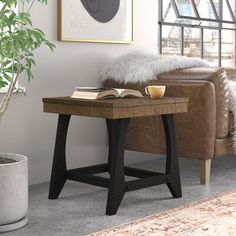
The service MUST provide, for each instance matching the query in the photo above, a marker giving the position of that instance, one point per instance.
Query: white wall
(25, 129)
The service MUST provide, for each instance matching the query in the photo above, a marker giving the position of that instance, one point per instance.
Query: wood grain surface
(115, 108)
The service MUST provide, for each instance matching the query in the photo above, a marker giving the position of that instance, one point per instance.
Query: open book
(102, 93)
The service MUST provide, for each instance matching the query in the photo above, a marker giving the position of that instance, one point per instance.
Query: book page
(108, 93)
(84, 95)
(119, 90)
(129, 93)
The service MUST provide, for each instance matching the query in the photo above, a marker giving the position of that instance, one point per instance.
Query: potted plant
(18, 41)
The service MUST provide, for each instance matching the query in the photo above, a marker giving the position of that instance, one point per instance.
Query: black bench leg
(172, 165)
(117, 135)
(58, 174)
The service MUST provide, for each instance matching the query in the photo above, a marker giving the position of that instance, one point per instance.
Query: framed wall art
(101, 21)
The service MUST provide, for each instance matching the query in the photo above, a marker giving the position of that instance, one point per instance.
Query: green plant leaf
(18, 40)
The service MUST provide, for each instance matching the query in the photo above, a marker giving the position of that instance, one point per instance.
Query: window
(200, 28)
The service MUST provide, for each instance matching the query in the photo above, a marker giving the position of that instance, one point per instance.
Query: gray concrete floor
(80, 208)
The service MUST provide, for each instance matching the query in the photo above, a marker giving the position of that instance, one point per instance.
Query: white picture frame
(76, 24)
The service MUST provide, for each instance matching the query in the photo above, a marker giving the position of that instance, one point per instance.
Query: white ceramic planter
(13, 192)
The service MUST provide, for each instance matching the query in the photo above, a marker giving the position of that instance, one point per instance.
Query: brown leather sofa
(204, 132)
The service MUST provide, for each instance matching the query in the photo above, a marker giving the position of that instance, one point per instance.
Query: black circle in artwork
(102, 10)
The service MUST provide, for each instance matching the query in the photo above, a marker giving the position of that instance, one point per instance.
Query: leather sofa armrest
(218, 77)
(195, 130)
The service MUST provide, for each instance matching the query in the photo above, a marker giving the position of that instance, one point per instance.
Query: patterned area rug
(215, 216)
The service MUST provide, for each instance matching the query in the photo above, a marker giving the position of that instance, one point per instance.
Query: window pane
(168, 12)
(226, 12)
(233, 5)
(217, 4)
(171, 43)
(205, 10)
(192, 43)
(228, 26)
(185, 7)
(211, 44)
(228, 45)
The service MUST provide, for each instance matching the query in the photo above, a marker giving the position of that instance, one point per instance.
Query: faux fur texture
(138, 67)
